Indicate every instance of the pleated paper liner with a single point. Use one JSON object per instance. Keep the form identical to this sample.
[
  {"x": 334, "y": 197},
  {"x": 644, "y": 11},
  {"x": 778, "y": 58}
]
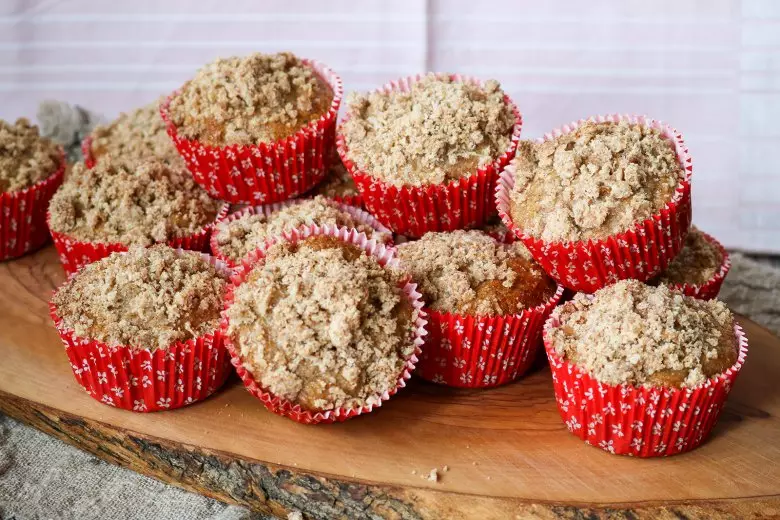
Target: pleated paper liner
[
  {"x": 482, "y": 351},
  {"x": 639, "y": 421},
  {"x": 86, "y": 152},
  {"x": 23, "y": 215},
  {"x": 75, "y": 253},
  {"x": 415, "y": 210},
  {"x": 267, "y": 172},
  {"x": 145, "y": 380},
  {"x": 355, "y": 201},
  {"x": 640, "y": 252},
  {"x": 709, "y": 289},
  {"x": 358, "y": 214},
  {"x": 284, "y": 407}
]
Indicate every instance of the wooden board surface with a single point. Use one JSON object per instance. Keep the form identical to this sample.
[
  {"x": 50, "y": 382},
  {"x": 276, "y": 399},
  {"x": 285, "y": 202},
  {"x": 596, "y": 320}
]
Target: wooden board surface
[{"x": 508, "y": 453}]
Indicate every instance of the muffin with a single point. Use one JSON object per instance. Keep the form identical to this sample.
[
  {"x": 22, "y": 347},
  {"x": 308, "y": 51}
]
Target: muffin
[
  {"x": 156, "y": 311},
  {"x": 662, "y": 363},
  {"x": 246, "y": 230},
  {"x": 319, "y": 329},
  {"x": 134, "y": 136},
  {"x": 700, "y": 268},
  {"x": 339, "y": 185},
  {"x": 256, "y": 129},
  {"x": 31, "y": 169},
  {"x": 113, "y": 206},
  {"x": 429, "y": 147},
  {"x": 602, "y": 200},
  {"x": 478, "y": 291}
]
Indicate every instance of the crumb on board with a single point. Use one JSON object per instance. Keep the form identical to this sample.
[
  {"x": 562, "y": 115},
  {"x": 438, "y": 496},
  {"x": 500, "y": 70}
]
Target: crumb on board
[{"x": 433, "y": 476}]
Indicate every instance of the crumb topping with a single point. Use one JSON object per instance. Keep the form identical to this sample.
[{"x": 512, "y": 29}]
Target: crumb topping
[
  {"x": 136, "y": 136},
  {"x": 254, "y": 99},
  {"x": 113, "y": 203},
  {"x": 439, "y": 131},
  {"x": 594, "y": 182},
  {"x": 696, "y": 264},
  {"x": 633, "y": 333},
  {"x": 469, "y": 272},
  {"x": 25, "y": 156},
  {"x": 322, "y": 324},
  {"x": 239, "y": 237},
  {"x": 338, "y": 182},
  {"x": 145, "y": 298}
]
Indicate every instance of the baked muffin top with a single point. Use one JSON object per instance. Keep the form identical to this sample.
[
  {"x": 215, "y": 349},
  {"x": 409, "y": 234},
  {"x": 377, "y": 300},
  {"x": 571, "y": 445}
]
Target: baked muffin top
[
  {"x": 145, "y": 298},
  {"x": 136, "y": 135},
  {"x": 322, "y": 324},
  {"x": 239, "y": 237},
  {"x": 696, "y": 264},
  {"x": 469, "y": 272},
  {"x": 25, "y": 156},
  {"x": 338, "y": 182},
  {"x": 439, "y": 131},
  {"x": 114, "y": 203},
  {"x": 254, "y": 99},
  {"x": 594, "y": 182},
  {"x": 633, "y": 333}
]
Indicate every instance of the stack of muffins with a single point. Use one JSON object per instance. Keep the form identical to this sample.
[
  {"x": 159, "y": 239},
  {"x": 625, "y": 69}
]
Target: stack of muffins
[{"x": 315, "y": 299}]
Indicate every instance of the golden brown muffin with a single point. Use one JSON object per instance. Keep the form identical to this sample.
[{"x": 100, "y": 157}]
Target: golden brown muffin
[
  {"x": 594, "y": 182},
  {"x": 25, "y": 156},
  {"x": 146, "y": 298},
  {"x": 633, "y": 333},
  {"x": 440, "y": 130},
  {"x": 259, "y": 98},
  {"x": 338, "y": 182},
  {"x": 469, "y": 272},
  {"x": 697, "y": 263},
  {"x": 322, "y": 324}
]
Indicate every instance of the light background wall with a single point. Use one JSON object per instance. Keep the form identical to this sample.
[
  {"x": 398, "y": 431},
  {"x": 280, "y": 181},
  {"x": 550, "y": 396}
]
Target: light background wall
[{"x": 711, "y": 68}]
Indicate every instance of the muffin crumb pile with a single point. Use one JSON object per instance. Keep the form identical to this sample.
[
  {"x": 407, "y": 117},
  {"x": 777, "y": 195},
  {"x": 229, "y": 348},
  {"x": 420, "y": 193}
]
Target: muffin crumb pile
[
  {"x": 250, "y": 100},
  {"x": 633, "y": 333},
  {"x": 239, "y": 237},
  {"x": 439, "y": 131},
  {"x": 133, "y": 205},
  {"x": 322, "y": 324},
  {"x": 470, "y": 272},
  {"x": 146, "y": 298},
  {"x": 25, "y": 156},
  {"x": 594, "y": 182},
  {"x": 135, "y": 136},
  {"x": 697, "y": 263}
]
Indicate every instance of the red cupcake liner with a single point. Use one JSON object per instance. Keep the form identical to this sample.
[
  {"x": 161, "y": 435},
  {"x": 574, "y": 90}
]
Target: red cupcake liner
[
  {"x": 640, "y": 253},
  {"x": 416, "y": 210},
  {"x": 357, "y": 213},
  {"x": 86, "y": 152},
  {"x": 709, "y": 289},
  {"x": 23, "y": 215},
  {"x": 284, "y": 407},
  {"x": 267, "y": 172},
  {"x": 145, "y": 380},
  {"x": 639, "y": 421},
  {"x": 482, "y": 351},
  {"x": 75, "y": 253}
]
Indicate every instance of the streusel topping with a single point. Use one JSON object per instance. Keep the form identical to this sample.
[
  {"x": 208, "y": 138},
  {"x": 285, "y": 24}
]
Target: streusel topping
[
  {"x": 469, "y": 272},
  {"x": 633, "y": 333},
  {"x": 25, "y": 156},
  {"x": 254, "y": 99},
  {"x": 145, "y": 298},
  {"x": 322, "y": 324},
  {"x": 594, "y": 182},
  {"x": 338, "y": 182},
  {"x": 439, "y": 131},
  {"x": 135, "y": 136},
  {"x": 243, "y": 235},
  {"x": 697, "y": 263},
  {"x": 111, "y": 202}
]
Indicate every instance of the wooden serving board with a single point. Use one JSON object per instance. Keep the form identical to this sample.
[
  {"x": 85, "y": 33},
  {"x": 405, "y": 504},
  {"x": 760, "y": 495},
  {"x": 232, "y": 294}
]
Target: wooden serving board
[{"x": 508, "y": 453}]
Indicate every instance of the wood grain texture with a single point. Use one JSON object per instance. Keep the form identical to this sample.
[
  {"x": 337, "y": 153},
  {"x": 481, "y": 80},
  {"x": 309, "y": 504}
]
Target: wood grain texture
[{"x": 508, "y": 452}]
